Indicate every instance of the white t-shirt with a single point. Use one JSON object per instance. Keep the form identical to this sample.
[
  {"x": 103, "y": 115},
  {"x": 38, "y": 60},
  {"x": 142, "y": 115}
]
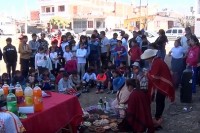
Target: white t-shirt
[
  {"x": 177, "y": 52},
  {"x": 63, "y": 45},
  {"x": 68, "y": 56},
  {"x": 40, "y": 60},
  {"x": 81, "y": 55},
  {"x": 125, "y": 43},
  {"x": 53, "y": 55},
  {"x": 88, "y": 77}
]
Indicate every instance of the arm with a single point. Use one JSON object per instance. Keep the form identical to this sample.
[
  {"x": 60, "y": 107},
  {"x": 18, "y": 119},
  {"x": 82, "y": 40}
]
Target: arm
[
  {"x": 60, "y": 86},
  {"x": 78, "y": 54},
  {"x": 29, "y": 50},
  {"x": 36, "y": 58},
  {"x": 4, "y": 55},
  {"x": 1, "y": 54},
  {"x": 15, "y": 54},
  {"x": 21, "y": 50}
]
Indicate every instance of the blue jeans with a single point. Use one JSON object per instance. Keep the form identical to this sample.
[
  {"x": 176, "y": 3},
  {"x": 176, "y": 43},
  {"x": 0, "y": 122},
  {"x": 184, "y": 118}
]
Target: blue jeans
[
  {"x": 194, "y": 78},
  {"x": 161, "y": 53}
]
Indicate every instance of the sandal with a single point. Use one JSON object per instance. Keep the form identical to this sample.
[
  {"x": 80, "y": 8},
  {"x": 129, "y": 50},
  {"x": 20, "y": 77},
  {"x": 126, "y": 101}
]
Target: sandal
[
  {"x": 101, "y": 91},
  {"x": 97, "y": 92}
]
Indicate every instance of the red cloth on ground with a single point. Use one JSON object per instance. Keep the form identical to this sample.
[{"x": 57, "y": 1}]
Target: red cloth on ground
[
  {"x": 135, "y": 53},
  {"x": 160, "y": 78},
  {"x": 139, "y": 112},
  {"x": 59, "y": 110}
]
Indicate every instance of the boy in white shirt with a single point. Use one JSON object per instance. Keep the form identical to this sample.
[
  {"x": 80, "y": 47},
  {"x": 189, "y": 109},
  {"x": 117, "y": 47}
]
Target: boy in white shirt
[
  {"x": 89, "y": 80},
  {"x": 41, "y": 60},
  {"x": 81, "y": 59}
]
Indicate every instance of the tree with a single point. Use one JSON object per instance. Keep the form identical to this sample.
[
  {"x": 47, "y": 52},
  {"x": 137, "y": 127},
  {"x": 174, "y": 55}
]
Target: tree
[{"x": 59, "y": 21}]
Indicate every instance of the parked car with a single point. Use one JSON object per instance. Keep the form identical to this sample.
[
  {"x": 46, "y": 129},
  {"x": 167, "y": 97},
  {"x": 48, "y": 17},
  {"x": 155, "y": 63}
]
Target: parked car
[
  {"x": 151, "y": 36},
  {"x": 174, "y": 33}
]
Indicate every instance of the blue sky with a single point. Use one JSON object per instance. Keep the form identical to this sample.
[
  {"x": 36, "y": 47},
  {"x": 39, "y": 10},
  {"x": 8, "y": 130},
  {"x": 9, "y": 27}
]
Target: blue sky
[{"x": 16, "y": 7}]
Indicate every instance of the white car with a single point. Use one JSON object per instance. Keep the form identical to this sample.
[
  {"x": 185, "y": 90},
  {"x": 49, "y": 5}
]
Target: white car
[
  {"x": 174, "y": 33},
  {"x": 151, "y": 36}
]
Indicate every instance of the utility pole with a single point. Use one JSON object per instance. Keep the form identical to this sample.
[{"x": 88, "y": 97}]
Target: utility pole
[
  {"x": 140, "y": 12},
  {"x": 26, "y": 17}
]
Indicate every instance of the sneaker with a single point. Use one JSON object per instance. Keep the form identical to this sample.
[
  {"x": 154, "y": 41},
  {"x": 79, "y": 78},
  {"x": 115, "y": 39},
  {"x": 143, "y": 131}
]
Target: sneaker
[
  {"x": 108, "y": 92},
  {"x": 101, "y": 91},
  {"x": 97, "y": 92}
]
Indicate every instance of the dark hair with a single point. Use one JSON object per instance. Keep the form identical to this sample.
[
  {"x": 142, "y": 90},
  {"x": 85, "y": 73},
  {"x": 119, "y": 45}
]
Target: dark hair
[
  {"x": 178, "y": 41},
  {"x": 117, "y": 72},
  {"x": 144, "y": 37},
  {"x": 54, "y": 41},
  {"x": 188, "y": 28},
  {"x": 119, "y": 41},
  {"x": 33, "y": 35},
  {"x": 103, "y": 33},
  {"x": 67, "y": 46},
  {"x": 65, "y": 74},
  {"x": 139, "y": 32},
  {"x": 24, "y": 37},
  {"x": 195, "y": 39},
  {"x": 62, "y": 37},
  {"x": 132, "y": 82},
  {"x": 74, "y": 72},
  {"x": 40, "y": 48},
  {"x": 115, "y": 34},
  {"x": 101, "y": 70},
  {"x": 9, "y": 39},
  {"x": 161, "y": 32},
  {"x": 73, "y": 42},
  {"x": 93, "y": 36},
  {"x": 95, "y": 31}
]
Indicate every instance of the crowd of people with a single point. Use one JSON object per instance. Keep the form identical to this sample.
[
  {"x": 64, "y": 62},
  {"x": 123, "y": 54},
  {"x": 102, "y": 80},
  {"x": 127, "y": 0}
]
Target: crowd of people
[{"x": 129, "y": 67}]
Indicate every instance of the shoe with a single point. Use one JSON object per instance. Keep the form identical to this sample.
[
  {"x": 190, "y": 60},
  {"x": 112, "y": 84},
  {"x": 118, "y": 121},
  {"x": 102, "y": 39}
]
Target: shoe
[
  {"x": 101, "y": 91},
  {"x": 108, "y": 92},
  {"x": 78, "y": 94},
  {"x": 84, "y": 91},
  {"x": 97, "y": 92},
  {"x": 113, "y": 92}
]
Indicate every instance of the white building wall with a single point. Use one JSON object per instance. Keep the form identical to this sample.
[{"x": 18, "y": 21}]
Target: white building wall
[{"x": 197, "y": 19}]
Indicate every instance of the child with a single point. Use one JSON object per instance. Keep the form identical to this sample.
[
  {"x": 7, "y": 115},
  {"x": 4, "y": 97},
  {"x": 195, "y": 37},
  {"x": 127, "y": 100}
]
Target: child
[
  {"x": 55, "y": 61},
  {"x": 47, "y": 80},
  {"x": 118, "y": 81},
  {"x": 74, "y": 48},
  {"x": 109, "y": 78},
  {"x": 89, "y": 80},
  {"x": 60, "y": 75},
  {"x": 81, "y": 58},
  {"x": 19, "y": 78},
  {"x": 75, "y": 78},
  {"x": 42, "y": 61},
  {"x": 33, "y": 77},
  {"x": 135, "y": 52},
  {"x": 120, "y": 53},
  {"x": 177, "y": 62},
  {"x": 5, "y": 79},
  {"x": 122, "y": 68},
  {"x": 65, "y": 86},
  {"x": 101, "y": 78},
  {"x": 67, "y": 54}
]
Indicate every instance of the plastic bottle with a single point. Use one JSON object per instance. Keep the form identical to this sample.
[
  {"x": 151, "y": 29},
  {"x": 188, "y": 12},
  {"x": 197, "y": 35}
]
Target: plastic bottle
[
  {"x": 11, "y": 102},
  {"x": 100, "y": 103},
  {"x": 28, "y": 94},
  {"x": 37, "y": 99},
  {"x": 5, "y": 88},
  {"x": 106, "y": 104},
  {"x": 19, "y": 94}
]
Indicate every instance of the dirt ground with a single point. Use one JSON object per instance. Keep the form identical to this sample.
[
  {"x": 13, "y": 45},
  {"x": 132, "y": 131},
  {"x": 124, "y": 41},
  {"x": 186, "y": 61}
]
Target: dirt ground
[{"x": 176, "y": 120}]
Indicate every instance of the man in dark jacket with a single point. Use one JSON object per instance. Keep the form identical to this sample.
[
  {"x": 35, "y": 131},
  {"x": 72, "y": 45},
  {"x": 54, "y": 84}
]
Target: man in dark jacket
[{"x": 10, "y": 57}]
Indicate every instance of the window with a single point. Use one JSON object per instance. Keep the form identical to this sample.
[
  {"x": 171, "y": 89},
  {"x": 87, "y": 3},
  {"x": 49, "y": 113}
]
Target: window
[
  {"x": 47, "y": 9},
  {"x": 61, "y": 8},
  {"x": 180, "y": 31},
  {"x": 90, "y": 24},
  {"x": 169, "y": 31},
  {"x": 174, "y": 31},
  {"x": 52, "y": 9}
]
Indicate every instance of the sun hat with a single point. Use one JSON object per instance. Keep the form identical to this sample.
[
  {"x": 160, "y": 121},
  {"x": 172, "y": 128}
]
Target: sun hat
[
  {"x": 136, "y": 64},
  {"x": 149, "y": 53}
]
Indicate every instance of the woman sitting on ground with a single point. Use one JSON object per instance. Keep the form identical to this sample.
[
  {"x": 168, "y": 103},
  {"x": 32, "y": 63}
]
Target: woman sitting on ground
[{"x": 138, "y": 114}]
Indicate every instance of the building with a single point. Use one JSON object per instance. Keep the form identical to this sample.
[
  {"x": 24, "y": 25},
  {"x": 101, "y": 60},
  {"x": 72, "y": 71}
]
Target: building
[
  {"x": 150, "y": 19},
  {"x": 86, "y": 14}
]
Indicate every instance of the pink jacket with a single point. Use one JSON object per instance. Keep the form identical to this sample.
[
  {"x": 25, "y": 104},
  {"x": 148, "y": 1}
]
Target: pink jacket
[{"x": 193, "y": 56}]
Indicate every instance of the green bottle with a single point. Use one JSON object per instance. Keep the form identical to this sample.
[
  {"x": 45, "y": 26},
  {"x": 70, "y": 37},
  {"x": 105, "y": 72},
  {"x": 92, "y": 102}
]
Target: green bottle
[{"x": 11, "y": 102}]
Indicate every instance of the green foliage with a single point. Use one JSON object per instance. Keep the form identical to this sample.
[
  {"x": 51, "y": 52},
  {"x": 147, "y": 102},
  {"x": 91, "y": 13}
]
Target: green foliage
[{"x": 59, "y": 21}]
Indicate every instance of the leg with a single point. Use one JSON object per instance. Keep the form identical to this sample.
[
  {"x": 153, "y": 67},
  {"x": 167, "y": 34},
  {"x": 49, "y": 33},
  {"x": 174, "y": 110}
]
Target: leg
[
  {"x": 160, "y": 105},
  {"x": 82, "y": 69},
  {"x": 13, "y": 68},
  {"x": 8, "y": 67},
  {"x": 194, "y": 79},
  {"x": 79, "y": 69}
]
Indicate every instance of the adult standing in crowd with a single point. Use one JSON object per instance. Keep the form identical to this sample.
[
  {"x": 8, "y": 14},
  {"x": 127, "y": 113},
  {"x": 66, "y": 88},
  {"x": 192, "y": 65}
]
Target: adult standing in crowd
[
  {"x": 25, "y": 54},
  {"x": 161, "y": 42},
  {"x": 184, "y": 39},
  {"x": 113, "y": 44},
  {"x": 160, "y": 81},
  {"x": 43, "y": 42},
  {"x": 34, "y": 44},
  {"x": 10, "y": 57},
  {"x": 105, "y": 49}
]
